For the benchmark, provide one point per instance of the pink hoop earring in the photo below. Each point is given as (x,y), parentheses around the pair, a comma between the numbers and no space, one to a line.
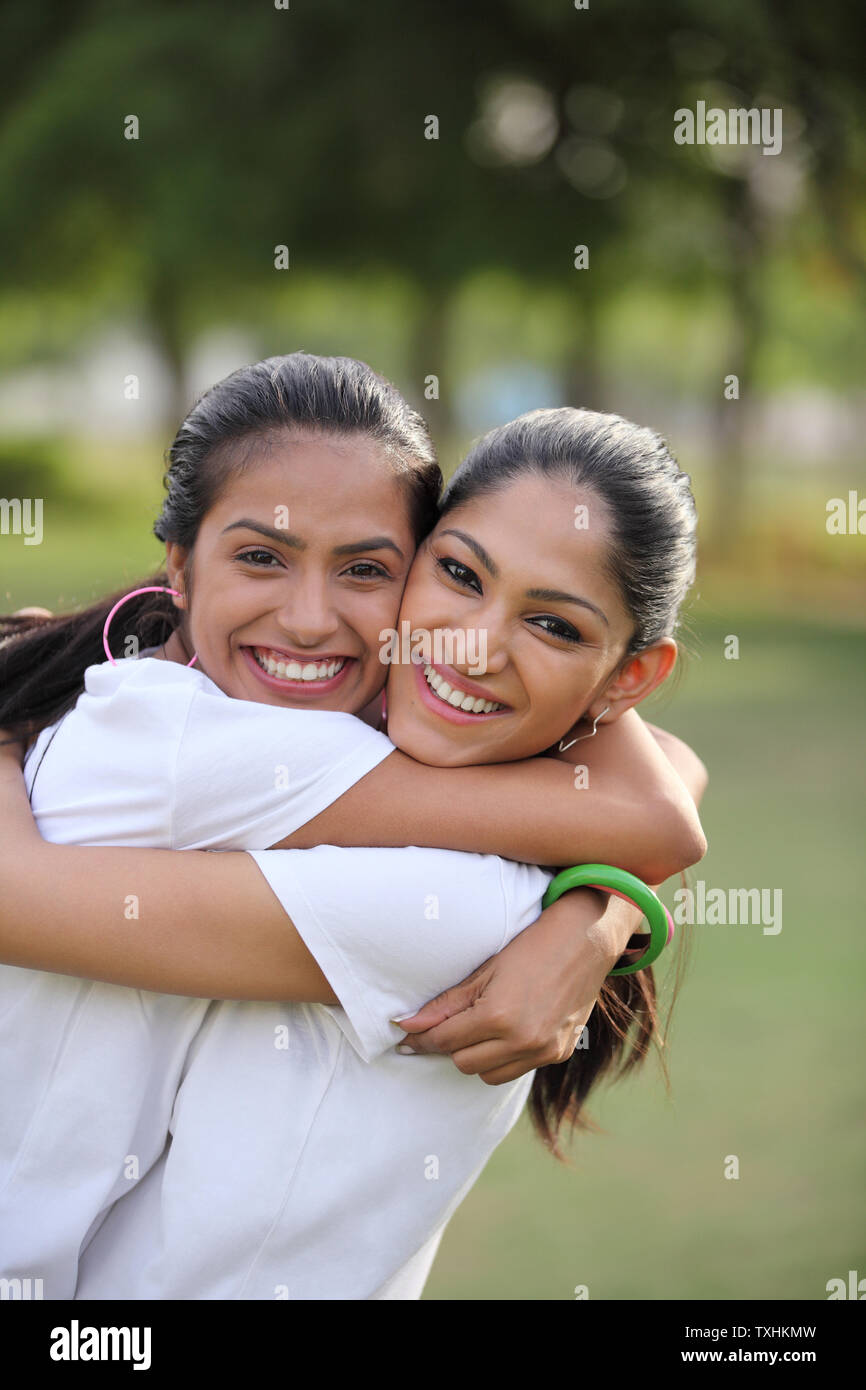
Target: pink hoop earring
(148,589)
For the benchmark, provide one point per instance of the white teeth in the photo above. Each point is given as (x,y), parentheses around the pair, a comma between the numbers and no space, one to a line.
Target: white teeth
(293,670)
(457,698)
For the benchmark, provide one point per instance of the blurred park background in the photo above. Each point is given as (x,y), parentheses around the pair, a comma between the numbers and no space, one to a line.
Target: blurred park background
(430,170)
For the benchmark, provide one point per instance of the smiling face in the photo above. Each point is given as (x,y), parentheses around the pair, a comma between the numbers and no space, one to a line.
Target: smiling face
(295,571)
(509,568)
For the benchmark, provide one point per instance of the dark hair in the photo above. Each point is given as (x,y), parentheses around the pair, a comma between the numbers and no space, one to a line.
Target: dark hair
(653,521)
(647,497)
(43,660)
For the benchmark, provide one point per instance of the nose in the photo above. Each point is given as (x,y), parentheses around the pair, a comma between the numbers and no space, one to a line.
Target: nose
(307,615)
(487,652)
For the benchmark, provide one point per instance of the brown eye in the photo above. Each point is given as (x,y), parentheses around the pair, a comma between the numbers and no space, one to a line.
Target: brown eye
(558,628)
(370,571)
(261,558)
(460,573)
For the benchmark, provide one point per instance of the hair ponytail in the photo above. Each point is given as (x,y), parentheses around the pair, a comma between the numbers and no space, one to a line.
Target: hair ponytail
(619,1033)
(43,660)
(624,1025)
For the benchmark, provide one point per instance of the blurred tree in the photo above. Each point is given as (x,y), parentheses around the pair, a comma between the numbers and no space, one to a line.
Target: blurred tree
(311,128)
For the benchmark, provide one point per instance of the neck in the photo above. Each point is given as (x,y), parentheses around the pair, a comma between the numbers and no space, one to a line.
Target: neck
(174,650)
(372,713)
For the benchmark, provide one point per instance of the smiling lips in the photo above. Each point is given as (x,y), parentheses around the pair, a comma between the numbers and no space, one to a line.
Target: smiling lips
(283,667)
(457,697)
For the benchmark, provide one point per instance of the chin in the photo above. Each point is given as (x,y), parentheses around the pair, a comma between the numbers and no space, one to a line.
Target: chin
(425,748)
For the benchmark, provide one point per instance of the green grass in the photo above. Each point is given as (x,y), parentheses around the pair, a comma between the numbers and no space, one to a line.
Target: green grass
(767,1040)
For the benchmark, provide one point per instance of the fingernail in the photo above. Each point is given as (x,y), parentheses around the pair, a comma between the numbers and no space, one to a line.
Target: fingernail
(405,1050)
(398,1021)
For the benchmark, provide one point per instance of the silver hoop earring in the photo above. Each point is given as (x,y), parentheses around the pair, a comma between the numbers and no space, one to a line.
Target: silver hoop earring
(564,746)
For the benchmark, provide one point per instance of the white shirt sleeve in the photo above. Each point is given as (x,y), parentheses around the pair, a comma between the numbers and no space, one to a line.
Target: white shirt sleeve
(247,775)
(155,754)
(392,928)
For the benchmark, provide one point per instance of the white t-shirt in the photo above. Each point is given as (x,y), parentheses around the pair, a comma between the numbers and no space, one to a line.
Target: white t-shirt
(153,754)
(309,1160)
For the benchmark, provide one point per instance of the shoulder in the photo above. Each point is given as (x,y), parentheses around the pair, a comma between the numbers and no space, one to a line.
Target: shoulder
(145,673)
(163,689)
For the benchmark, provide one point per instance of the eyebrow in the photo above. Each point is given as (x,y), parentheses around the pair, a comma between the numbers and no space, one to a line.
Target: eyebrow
(556,596)
(295,542)
(550,595)
(477,550)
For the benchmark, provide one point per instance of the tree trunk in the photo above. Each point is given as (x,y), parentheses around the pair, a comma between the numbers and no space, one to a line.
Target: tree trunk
(583,380)
(165,304)
(429,356)
(732,416)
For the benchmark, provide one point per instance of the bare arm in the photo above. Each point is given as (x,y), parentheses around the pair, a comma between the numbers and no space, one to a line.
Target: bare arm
(525,1007)
(207,925)
(635,811)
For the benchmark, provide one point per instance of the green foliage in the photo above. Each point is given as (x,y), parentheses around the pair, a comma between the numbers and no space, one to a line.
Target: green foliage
(34,467)
(307,127)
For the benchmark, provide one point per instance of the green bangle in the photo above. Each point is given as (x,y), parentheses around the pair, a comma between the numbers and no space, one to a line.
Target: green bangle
(623,885)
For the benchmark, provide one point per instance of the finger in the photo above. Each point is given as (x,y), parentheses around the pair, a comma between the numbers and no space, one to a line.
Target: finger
(455,1000)
(466,1029)
(499,1075)
(493,1060)
(492,1057)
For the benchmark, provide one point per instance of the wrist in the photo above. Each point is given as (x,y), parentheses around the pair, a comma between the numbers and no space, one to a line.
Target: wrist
(624,885)
(589,921)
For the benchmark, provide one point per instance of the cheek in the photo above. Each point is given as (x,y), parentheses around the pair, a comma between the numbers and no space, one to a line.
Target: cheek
(557,692)
(369,613)
(554,702)
(225,592)
(423,598)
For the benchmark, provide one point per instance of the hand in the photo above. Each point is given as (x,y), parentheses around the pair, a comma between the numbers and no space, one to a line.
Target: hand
(527,1006)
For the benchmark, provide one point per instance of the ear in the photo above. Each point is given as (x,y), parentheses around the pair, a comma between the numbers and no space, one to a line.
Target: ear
(638,676)
(176,557)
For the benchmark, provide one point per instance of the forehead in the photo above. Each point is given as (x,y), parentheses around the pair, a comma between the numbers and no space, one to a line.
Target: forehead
(544,532)
(322,480)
